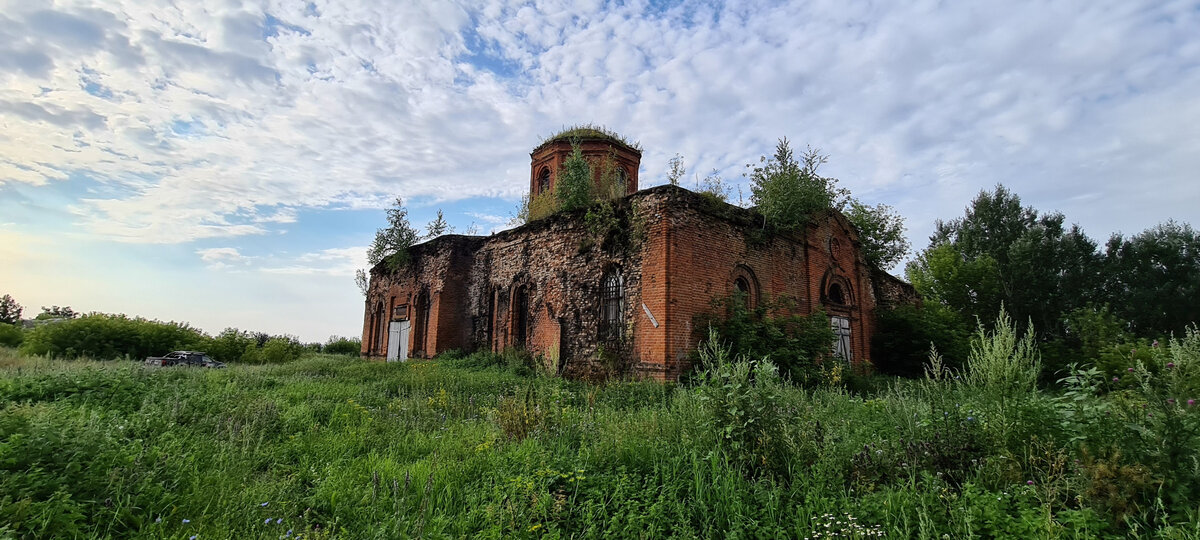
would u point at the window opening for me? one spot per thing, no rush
(521, 330)
(422, 323)
(612, 299)
(841, 341)
(836, 294)
(543, 181)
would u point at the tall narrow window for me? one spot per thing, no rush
(380, 328)
(521, 317)
(612, 307)
(543, 181)
(841, 340)
(422, 324)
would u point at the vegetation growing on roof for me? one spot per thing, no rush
(589, 131)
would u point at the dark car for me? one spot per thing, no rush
(184, 358)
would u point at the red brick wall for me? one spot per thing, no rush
(691, 252)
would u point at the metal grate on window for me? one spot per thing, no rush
(611, 307)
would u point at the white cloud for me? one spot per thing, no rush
(223, 120)
(222, 258)
(329, 262)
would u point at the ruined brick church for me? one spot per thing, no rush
(626, 297)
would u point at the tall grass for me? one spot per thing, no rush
(330, 447)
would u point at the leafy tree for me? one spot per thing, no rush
(574, 185)
(438, 227)
(675, 169)
(1152, 279)
(881, 231)
(55, 312)
(390, 245)
(10, 310)
(11, 335)
(788, 191)
(1001, 252)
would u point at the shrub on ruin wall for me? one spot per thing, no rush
(770, 329)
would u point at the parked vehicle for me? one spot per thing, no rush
(184, 358)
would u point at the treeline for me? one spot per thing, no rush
(1086, 304)
(102, 336)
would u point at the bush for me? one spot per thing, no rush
(902, 337)
(104, 337)
(342, 345)
(11, 336)
(1000, 363)
(770, 331)
(744, 408)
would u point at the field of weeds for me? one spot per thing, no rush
(330, 447)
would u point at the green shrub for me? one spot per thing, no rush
(900, 344)
(1000, 363)
(278, 350)
(341, 345)
(744, 408)
(770, 331)
(105, 337)
(11, 336)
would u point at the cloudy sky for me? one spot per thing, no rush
(226, 163)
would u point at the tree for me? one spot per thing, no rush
(1001, 252)
(574, 187)
(55, 312)
(438, 227)
(10, 310)
(788, 191)
(881, 231)
(391, 243)
(1152, 279)
(675, 169)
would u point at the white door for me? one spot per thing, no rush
(841, 342)
(397, 341)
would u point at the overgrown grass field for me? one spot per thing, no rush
(330, 447)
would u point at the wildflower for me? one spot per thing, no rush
(1191, 402)
(193, 537)
(1170, 401)
(1155, 344)
(289, 534)
(186, 521)
(1029, 482)
(1129, 370)
(1170, 365)
(1115, 379)
(158, 519)
(267, 521)
(970, 418)
(264, 505)
(279, 521)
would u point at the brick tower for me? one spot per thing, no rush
(602, 149)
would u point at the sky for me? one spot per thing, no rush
(227, 163)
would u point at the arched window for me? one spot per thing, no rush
(543, 181)
(612, 307)
(836, 295)
(745, 286)
(624, 178)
